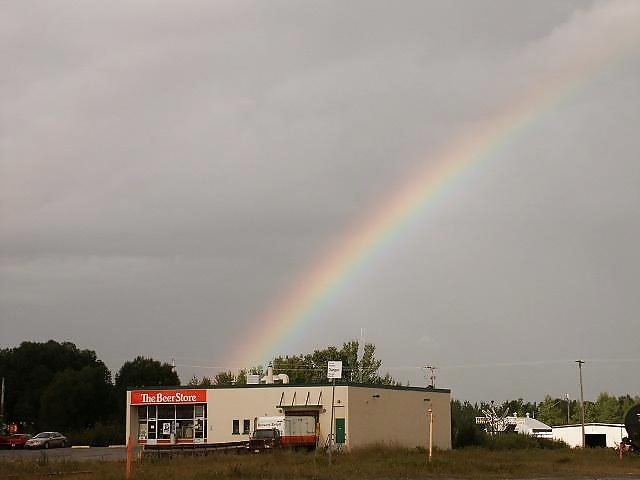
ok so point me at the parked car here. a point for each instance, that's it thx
(47, 440)
(13, 440)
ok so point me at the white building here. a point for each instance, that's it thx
(533, 427)
(525, 425)
(603, 435)
(222, 415)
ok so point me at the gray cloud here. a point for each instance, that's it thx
(167, 172)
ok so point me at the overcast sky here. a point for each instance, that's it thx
(170, 170)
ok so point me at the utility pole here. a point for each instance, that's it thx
(568, 408)
(361, 346)
(580, 362)
(2, 402)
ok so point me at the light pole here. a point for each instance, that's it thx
(2, 402)
(430, 423)
(333, 397)
(580, 362)
(430, 412)
(334, 370)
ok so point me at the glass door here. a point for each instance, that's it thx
(152, 434)
(200, 424)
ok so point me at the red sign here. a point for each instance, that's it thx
(152, 397)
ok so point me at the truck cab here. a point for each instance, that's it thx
(264, 439)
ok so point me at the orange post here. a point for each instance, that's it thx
(620, 450)
(129, 454)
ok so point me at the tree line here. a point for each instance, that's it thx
(57, 386)
(311, 368)
(551, 411)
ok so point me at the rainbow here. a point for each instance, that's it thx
(329, 276)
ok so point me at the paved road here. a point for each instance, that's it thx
(62, 454)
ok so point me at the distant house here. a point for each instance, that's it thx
(605, 435)
(533, 427)
(524, 425)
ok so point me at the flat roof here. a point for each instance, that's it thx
(293, 385)
(591, 424)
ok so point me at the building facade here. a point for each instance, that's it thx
(605, 435)
(361, 415)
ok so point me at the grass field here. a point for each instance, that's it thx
(371, 463)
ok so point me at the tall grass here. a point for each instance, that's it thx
(376, 462)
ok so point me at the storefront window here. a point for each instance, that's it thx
(143, 431)
(142, 412)
(184, 412)
(236, 427)
(151, 430)
(166, 421)
(184, 421)
(200, 411)
(161, 421)
(246, 425)
(167, 411)
(184, 429)
(200, 427)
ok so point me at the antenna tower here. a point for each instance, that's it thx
(430, 375)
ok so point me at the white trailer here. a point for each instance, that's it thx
(295, 431)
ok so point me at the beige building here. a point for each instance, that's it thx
(362, 414)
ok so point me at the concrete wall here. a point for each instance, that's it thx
(226, 405)
(398, 417)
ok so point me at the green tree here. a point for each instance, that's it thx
(29, 369)
(312, 367)
(299, 368)
(224, 378)
(607, 409)
(552, 411)
(196, 382)
(77, 399)
(146, 372)
(369, 367)
(464, 431)
(626, 402)
(142, 372)
(520, 408)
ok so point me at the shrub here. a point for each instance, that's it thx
(516, 441)
(99, 436)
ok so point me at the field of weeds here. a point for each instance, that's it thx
(370, 463)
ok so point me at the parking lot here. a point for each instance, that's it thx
(66, 454)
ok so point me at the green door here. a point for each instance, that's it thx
(340, 433)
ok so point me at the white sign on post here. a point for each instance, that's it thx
(334, 369)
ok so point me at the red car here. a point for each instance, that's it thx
(13, 440)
